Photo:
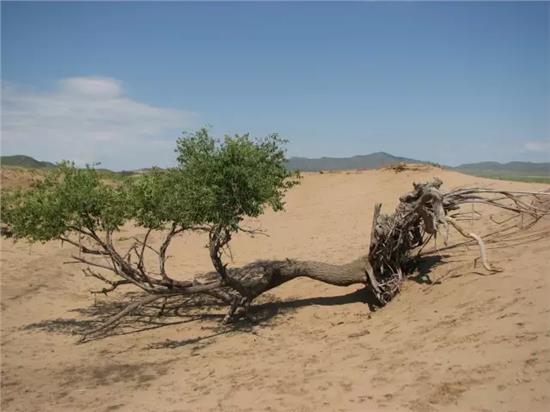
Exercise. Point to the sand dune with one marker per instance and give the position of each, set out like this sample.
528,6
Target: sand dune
456,339
11,177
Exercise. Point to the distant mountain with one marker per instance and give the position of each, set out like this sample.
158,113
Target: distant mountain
24,161
370,161
512,168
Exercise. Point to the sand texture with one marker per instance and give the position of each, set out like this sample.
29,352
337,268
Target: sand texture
456,339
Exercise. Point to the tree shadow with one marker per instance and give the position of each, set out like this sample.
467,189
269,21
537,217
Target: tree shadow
179,310
148,317
268,314
64,326
362,295
358,295
423,266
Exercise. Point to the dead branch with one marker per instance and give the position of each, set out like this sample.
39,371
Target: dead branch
471,235
82,248
126,311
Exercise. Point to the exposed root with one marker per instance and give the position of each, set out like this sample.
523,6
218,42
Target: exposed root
239,308
479,241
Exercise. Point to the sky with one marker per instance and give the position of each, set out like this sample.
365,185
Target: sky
117,83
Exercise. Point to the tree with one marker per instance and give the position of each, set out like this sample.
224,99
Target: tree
214,187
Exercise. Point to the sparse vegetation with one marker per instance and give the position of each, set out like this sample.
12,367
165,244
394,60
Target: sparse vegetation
516,171
507,175
402,167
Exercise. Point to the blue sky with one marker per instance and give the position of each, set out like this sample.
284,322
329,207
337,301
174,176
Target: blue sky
118,82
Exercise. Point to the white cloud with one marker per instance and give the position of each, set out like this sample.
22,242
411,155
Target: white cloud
89,119
538,146
100,87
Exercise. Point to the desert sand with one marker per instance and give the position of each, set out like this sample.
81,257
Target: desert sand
18,177
457,339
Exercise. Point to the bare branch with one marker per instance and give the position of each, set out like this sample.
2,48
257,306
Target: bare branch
252,232
140,255
479,241
126,311
82,248
90,263
164,247
113,284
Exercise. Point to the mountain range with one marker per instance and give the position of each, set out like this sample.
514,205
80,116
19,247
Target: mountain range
518,168
24,161
370,161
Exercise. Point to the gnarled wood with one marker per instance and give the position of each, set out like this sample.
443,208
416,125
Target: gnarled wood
261,276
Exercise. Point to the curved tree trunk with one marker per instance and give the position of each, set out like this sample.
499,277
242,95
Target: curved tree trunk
261,276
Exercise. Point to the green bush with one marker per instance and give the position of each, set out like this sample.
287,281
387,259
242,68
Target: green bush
68,198
235,178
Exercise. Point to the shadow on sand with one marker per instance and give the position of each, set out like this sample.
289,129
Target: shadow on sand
267,312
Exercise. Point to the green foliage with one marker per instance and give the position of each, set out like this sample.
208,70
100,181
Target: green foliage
66,199
159,197
216,184
234,178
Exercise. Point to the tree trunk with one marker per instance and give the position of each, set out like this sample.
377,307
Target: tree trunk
261,276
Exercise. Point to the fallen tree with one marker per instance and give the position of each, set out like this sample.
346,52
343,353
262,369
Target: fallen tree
214,188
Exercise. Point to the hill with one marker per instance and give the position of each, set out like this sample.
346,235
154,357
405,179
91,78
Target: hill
525,171
370,161
24,161
21,170
524,168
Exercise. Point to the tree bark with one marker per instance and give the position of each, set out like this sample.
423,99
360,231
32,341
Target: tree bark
261,276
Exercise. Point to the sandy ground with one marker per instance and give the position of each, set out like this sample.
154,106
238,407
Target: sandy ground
17,176
467,341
